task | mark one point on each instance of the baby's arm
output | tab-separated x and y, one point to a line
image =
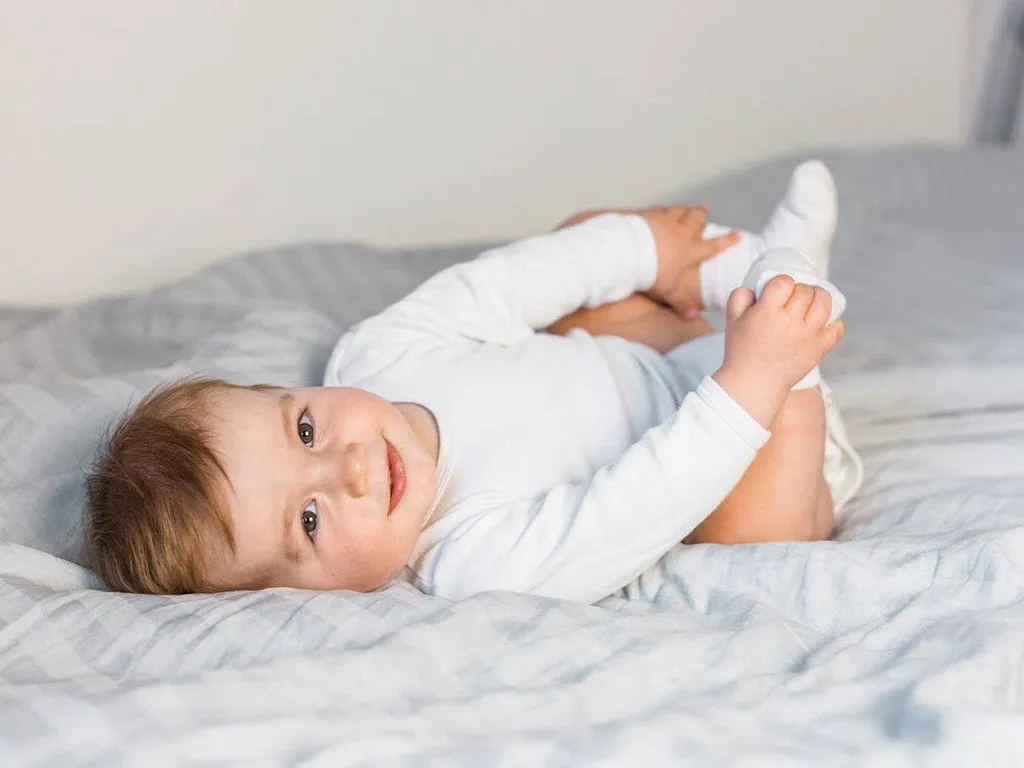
582	542
507	294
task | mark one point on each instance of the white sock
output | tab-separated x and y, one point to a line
724	273
805	220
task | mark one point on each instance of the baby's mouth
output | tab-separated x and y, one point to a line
396	476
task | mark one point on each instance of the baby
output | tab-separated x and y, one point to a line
543	419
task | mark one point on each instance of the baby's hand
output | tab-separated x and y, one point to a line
678	234
773	343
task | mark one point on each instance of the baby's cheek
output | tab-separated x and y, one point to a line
369	560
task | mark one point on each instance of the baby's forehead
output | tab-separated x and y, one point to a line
248	435
245	427
234	401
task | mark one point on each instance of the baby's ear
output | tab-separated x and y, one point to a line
739	302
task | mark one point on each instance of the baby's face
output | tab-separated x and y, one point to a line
328	487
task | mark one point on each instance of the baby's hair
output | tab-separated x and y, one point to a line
155	511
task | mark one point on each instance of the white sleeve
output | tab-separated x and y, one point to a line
507	293
583	542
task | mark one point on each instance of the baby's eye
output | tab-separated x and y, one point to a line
309	519
306	431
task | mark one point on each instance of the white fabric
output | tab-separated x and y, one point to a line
570	464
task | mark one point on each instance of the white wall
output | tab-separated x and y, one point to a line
142	138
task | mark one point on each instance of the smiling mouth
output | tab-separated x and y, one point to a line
396	476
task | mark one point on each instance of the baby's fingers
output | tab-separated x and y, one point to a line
820	309
799	302
778	290
740	300
705	249
692	222
833	333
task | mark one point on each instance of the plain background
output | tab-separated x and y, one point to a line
140	139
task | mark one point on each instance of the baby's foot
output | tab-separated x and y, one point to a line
799	234
804	220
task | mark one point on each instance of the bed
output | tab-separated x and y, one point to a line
901	642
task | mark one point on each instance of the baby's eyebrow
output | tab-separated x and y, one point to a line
291	551
287	403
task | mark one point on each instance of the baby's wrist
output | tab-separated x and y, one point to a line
759	394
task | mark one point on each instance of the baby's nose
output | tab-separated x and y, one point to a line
355	470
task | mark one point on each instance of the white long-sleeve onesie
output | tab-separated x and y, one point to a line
568	464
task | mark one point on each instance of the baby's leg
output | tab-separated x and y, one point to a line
637	318
783	495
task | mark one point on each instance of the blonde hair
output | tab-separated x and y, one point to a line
155	510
